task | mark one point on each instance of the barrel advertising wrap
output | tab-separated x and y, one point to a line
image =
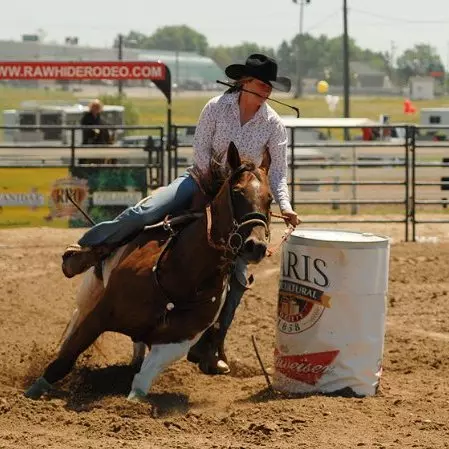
331	312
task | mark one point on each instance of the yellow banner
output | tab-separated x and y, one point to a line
25	195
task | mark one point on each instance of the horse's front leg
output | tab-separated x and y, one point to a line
159	358
138	355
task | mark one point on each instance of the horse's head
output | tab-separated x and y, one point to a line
244	207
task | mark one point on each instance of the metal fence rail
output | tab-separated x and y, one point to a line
148	155
396	168
418	148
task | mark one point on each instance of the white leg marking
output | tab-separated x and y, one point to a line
159	358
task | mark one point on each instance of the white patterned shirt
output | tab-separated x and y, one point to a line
219	124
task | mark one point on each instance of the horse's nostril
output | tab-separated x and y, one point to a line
255	248
250	245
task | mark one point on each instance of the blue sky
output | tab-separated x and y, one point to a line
379	25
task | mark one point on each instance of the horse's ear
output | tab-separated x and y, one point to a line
266	161
234	160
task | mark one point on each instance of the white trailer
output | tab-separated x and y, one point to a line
434	117
41	114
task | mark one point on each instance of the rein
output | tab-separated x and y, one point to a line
274	248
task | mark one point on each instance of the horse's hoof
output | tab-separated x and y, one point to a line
221	367
36	390
137	396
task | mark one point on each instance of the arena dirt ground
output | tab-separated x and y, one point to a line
187	409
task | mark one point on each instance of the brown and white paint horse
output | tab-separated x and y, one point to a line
164	292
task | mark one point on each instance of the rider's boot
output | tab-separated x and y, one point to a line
77	259
209	352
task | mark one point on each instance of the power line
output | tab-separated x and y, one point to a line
401	19
323	20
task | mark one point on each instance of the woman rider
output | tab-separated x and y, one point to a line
238	116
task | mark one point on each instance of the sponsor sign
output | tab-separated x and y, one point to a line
60	205
116	198
307	368
32	199
301	296
25	196
109	190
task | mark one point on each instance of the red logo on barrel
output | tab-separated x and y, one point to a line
307	368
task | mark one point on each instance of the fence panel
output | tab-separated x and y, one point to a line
104	179
385	181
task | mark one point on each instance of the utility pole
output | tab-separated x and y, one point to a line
393	62
346	74
446	72
120	58
298	90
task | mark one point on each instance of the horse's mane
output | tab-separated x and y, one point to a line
218	172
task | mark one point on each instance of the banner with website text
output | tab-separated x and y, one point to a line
82	70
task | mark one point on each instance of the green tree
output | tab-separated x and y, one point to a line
224	56
420	60
131	113
172	38
321	57
221	55
178	38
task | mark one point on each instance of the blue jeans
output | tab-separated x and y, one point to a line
171	199
233	298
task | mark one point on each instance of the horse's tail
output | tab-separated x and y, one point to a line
85	214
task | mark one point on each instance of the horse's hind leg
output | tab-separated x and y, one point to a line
159	357
76	343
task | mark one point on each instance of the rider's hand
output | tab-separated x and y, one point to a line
291	217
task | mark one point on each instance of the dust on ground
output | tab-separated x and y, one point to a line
187	409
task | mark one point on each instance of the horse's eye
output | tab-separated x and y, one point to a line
236	190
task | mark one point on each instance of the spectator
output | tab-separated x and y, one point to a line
94	136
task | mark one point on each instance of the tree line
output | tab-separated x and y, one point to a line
321	57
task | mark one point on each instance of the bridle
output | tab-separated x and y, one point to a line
235	240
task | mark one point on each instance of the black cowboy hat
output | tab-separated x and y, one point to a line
261	67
